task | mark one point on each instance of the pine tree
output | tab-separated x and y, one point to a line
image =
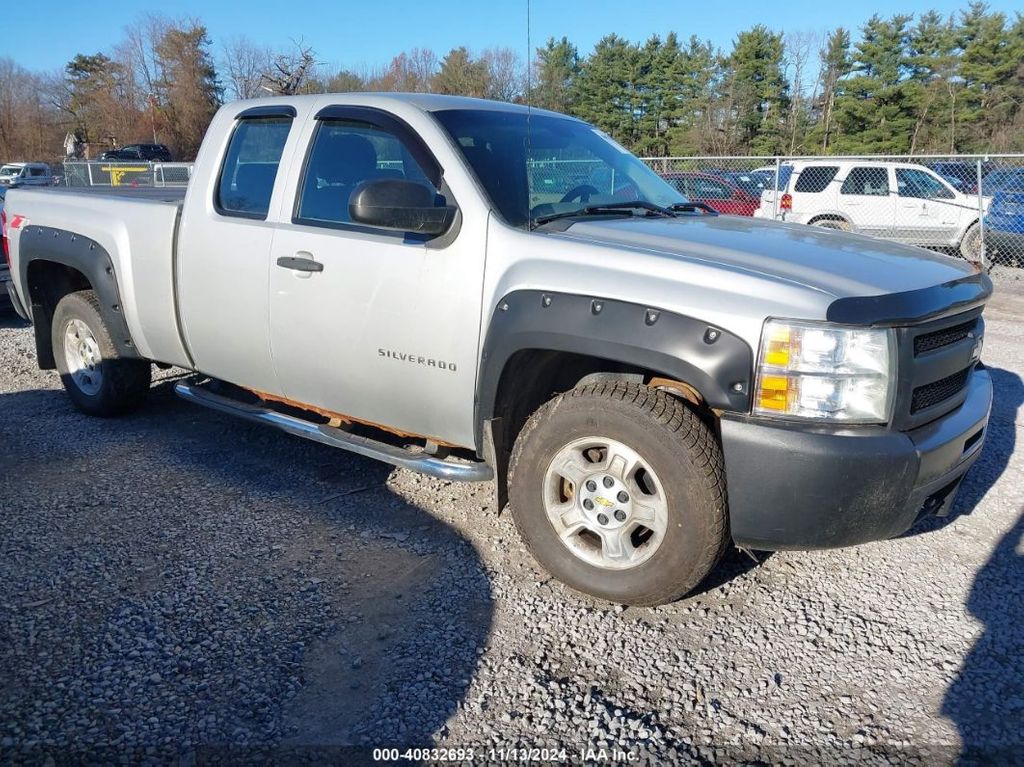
757	92
461	75
875	112
555	71
606	89
188	90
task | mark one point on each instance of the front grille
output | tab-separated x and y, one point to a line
939	391
946	337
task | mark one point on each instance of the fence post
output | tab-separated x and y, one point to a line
775	196
981	221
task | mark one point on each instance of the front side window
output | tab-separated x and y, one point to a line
344	154
920	185
539	165
869	182
250	166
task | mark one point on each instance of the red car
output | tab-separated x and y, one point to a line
713	192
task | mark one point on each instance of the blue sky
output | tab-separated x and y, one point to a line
367	34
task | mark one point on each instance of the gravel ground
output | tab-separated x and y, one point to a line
178	579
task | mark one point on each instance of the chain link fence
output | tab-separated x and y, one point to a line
971	206
129	174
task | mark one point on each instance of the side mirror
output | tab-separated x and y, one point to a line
404	206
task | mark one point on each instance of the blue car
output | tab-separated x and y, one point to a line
1004	223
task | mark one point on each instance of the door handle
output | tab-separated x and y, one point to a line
300	264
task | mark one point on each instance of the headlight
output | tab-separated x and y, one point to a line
825	372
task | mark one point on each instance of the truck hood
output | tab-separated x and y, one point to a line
833	262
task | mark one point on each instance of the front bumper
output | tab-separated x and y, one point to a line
793	486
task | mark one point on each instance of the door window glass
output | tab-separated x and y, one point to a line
344	154
920	185
250	166
871	182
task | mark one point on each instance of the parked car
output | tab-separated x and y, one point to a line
644	380
6	302
999	176
144	152
962	175
751	182
25	174
890	200
1004	223
714	192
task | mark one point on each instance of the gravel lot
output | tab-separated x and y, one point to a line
179	579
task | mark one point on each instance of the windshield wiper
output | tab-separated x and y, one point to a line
607	207
690	207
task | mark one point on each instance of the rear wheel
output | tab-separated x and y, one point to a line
970	245
98	381
619	491
832	223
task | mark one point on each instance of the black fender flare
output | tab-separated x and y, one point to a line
717	363
86	256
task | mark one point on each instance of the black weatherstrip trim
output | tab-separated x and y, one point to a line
270	110
395	125
715	362
913	306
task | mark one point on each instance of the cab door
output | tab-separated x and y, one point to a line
928	212
224	251
379	325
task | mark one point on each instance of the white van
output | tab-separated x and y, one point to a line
892	200
26	174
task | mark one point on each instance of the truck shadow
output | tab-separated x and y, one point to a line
223	586
986	699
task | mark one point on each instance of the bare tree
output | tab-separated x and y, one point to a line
245	64
289	72
800	45
506	74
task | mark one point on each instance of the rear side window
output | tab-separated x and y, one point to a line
871	182
814	178
250	167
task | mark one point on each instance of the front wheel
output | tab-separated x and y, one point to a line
98	381
970	245
618	490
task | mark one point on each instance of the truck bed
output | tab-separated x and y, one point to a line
133	227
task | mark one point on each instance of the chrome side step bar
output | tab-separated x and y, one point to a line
463	471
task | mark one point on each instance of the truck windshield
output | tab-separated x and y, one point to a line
10	170
541	166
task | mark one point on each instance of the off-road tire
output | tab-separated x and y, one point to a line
125	382
680	448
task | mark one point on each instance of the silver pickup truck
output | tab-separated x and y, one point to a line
479	291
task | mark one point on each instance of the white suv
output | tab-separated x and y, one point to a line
892	200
